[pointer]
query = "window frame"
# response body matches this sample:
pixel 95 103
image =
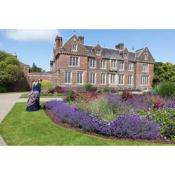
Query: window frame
pixel 74 49
pixel 143 70
pixel 115 63
pixel 71 61
pixel 102 64
pixel 65 77
pixel 102 79
pixel 132 66
pixel 122 79
pixel 144 78
pixel 90 73
pixel 132 79
pixel 94 60
pixel 82 74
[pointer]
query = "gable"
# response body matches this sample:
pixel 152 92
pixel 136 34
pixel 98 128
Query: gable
pixel 81 50
pixel 144 55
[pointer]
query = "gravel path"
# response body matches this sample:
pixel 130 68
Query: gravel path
pixel 8 100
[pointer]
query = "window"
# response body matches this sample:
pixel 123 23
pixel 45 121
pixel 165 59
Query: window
pixel 130 80
pixel 103 78
pixel 130 66
pixel 92 63
pixel 74 47
pixel 121 65
pixel 145 67
pixel 144 79
pixel 103 64
pixel 74 61
pixel 92 78
pixel 112 78
pixel 145 56
pixel 80 77
pixel 67 77
pixel 113 64
pixel 121 79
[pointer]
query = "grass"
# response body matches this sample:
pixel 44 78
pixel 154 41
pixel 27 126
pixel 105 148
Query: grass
pixel 35 128
pixel 26 94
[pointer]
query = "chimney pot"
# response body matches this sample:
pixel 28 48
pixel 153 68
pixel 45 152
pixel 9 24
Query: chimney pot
pixel 58 42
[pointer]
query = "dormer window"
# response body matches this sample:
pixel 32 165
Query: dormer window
pixel 74 47
pixel 98 52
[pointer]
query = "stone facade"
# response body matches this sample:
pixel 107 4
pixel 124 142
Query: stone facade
pixel 75 63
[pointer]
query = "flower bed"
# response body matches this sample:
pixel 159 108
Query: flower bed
pixel 124 126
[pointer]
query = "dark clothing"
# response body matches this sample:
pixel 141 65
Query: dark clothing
pixel 33 103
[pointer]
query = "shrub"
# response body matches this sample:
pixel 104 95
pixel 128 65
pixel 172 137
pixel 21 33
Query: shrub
pixel 3 89
pixel 126 95
pixel 46 85
pixel 128 126
pixel 165 118
pixel 165 89
pixel 57 89
pixel 88 87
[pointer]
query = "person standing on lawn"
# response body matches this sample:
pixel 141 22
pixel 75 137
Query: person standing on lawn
pixel 33 103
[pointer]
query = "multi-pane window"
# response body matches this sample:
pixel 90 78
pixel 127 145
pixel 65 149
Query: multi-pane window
pixel 103 78
pixel 112 78
pixel 98 52
pixel 113 64
pixel 130 79
pixel 121 65
pixel 121 79
pixel 92 78
pixel 103 64
pixel 144 79
pixel 67 78
pixel 74 47
pixel 92 63
pixel 145 67
pixel 80 77
pixel 74 61
pixel 130 66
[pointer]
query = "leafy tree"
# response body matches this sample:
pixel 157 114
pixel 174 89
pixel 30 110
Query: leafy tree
pixel 164 72
pixel 10 71
pixel 35 68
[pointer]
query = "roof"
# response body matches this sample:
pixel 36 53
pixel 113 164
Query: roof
pixel 109 53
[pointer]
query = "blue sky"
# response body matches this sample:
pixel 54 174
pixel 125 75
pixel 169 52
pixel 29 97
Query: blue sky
pixel 37 45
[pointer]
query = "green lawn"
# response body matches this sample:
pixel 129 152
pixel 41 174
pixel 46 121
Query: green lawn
pixel 35 128
pixel 26 94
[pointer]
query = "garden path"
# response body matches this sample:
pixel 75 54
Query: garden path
pixel 8 100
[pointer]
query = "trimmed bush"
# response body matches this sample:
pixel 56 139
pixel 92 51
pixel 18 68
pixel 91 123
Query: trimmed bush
pixel 165 89
pixel 46 85
pixel 88 87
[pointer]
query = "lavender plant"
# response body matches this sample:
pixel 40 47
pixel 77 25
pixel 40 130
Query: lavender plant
pixel 125 126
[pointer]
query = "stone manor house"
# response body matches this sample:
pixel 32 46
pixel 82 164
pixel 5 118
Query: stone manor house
pixel 75 63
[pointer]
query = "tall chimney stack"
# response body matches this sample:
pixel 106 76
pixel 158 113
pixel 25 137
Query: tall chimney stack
pixel 58 42
pixel 120 46
pixel 81 39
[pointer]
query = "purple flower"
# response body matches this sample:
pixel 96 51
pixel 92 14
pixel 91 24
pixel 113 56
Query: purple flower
pixel 125 126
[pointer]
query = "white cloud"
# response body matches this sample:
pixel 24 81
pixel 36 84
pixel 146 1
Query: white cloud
pixel 32 35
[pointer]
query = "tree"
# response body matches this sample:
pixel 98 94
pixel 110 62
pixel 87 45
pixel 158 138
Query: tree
pixel 10 71
pixel 164 72
pixel 34 68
